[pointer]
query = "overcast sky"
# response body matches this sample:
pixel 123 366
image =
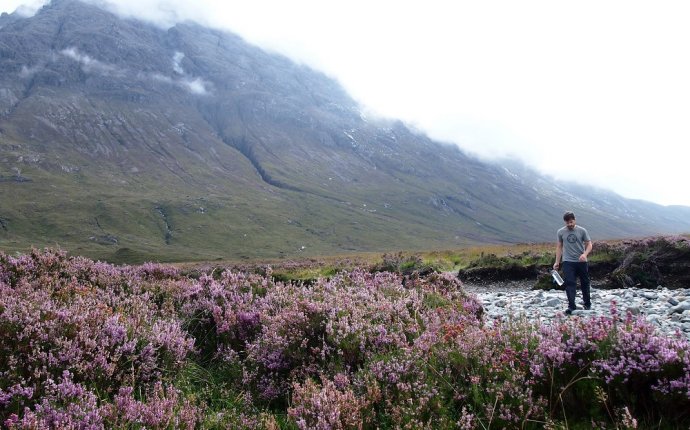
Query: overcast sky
pixel 592 91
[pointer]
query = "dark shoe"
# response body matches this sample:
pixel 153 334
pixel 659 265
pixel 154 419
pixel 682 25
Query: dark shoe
pixel 568 311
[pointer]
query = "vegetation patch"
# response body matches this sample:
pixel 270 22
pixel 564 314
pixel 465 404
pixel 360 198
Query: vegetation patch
pixel 653 261
pixel 85 344
pixel 644 263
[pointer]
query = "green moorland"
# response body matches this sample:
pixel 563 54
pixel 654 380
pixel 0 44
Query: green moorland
pixel 127 221
pixel 482 263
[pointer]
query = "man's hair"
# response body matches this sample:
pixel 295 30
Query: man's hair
pixel 568 216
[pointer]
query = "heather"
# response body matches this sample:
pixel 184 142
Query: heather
pixel 86 344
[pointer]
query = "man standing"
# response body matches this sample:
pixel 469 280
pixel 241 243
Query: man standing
pixel 573 247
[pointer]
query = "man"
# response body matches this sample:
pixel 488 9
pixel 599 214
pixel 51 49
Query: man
pixel 573 247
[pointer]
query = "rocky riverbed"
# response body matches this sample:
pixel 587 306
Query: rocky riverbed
pixel 669 310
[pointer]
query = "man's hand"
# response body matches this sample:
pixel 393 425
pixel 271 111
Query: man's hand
pixel 588 249
pixel 556 265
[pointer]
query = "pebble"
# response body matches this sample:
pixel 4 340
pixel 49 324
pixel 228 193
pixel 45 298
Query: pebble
pixel 668 310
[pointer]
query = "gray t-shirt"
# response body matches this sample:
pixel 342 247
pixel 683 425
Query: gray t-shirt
pixel 573 242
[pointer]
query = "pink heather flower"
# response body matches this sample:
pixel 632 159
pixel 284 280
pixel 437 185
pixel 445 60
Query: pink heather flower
pixel 17 390
pixel 325 407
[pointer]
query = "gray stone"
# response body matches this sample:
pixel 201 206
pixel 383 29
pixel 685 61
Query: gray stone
pixel 544 306
pixel 682 307
pixel 634 310
pixel 552 303
pixel 673 301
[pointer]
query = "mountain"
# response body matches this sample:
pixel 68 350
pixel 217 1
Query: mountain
pixel 127 142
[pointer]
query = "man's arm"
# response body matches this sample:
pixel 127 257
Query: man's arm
pixel 588 249
pixel 559 252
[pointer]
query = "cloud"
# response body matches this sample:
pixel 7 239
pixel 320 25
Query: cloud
pixel 27 72
pixel 605 82
pixel 157 77
pixel 25 8
pixel 193 85
pixel 177 59
pixel 91 65
pixel 197 86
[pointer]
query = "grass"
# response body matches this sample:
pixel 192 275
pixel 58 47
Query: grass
pixel 450 260
pixel 126 226
pixel 308 269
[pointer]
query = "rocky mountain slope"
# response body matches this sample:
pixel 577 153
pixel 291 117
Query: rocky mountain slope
pixel 124 141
